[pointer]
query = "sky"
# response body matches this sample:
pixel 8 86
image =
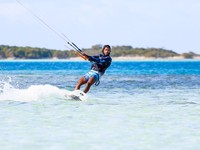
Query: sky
pixel 169 24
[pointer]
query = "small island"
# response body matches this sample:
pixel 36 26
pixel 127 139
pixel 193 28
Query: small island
pixel 118 52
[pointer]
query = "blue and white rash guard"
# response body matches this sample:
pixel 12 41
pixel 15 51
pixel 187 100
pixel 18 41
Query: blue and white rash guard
pixel 100 62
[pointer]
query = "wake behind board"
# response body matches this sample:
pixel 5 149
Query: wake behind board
pixel 77 95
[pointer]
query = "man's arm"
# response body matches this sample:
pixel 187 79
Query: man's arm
pixel 92 58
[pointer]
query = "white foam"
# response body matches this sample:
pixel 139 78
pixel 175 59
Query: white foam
pixel 32 93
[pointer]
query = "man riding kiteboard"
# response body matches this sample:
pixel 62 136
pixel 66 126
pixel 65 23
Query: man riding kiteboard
pixel 99 65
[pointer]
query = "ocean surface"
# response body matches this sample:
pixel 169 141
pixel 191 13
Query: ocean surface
pixel 139 105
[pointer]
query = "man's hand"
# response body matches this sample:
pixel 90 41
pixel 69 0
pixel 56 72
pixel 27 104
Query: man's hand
pixel 85 55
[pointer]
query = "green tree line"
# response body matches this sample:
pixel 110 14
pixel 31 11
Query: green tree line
pixel 117 51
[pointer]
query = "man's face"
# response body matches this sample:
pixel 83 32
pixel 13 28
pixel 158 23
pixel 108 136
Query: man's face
pixel 106 51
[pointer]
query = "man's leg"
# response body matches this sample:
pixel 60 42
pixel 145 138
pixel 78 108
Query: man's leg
pixel 90 82
pixel 80 82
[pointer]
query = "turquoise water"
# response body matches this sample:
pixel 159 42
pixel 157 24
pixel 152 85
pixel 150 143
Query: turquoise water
pixel 139 105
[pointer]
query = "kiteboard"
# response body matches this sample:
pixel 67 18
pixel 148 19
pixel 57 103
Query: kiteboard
pixel 77 95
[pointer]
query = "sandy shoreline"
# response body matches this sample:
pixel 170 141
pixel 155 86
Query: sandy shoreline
pixel 127 58
pixel 122 58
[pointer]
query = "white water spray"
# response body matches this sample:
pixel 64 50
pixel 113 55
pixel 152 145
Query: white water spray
pixel 32 93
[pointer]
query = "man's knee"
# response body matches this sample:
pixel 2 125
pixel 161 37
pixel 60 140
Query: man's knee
pixel 89 83
pixel 82 80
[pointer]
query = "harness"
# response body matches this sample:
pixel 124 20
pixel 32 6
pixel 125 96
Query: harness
pixel 97 83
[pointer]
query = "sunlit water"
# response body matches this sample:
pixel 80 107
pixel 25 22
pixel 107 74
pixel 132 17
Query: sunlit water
pixel 144 105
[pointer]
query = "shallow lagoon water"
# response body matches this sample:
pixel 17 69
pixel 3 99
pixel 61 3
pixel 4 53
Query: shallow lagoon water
pixel 144 105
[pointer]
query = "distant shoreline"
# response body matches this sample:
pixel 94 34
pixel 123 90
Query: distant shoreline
pixel 153 58
pixel 121 58
pixel 131 58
